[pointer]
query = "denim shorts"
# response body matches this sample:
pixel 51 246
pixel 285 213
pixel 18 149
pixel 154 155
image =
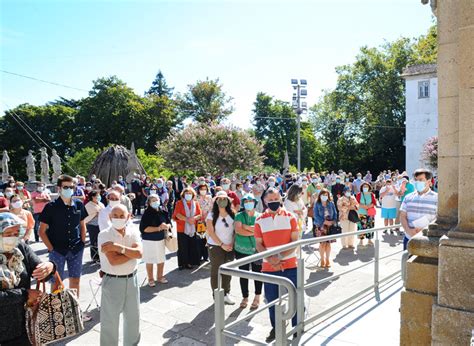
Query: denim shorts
pixel 74 263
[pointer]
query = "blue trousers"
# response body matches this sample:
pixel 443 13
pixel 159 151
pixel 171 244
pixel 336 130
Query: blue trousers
pixel 271 292
pixel 405 242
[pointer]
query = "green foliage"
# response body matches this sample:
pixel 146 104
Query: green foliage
pixel 276 127
pixel 425 49
pixel 205 102
pixel 154 165
pixel 81 161
pixel 213 149
pixel 159 87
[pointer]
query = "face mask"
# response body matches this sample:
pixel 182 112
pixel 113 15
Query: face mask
pixel 249 205
pixel 271 183
pixel 119 223
pixel 114 203
pixel 40 189
pixel 420 186
pixel 160 185
pixel 305 182
pixel 274 206
pixel 148 182
pixel 7 244
pixel 338 181
pixel 153 192
pixel 324 198
pixel 225 187
pixel 155 205
pixel 88 188
pixel 365 189
pixel 203 192
pixel 347 180
pixel 222 203
pixel 8 194
pixel 359 177
pixel 93 177
pixel 67 193
pixel 99 198
pixel 188 197
pixel 17 204
pixel 347 194
pixel 20 188
pixel 315 181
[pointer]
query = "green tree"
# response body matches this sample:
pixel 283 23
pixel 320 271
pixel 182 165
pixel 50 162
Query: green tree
pixel 81 162
pixel 425 49
pixel 216 149
pixel 154 165
pixel 54 124
pixel 205 102
pixel 159 87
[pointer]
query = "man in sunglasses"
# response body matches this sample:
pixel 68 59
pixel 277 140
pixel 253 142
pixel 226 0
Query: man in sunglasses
pixel 63 231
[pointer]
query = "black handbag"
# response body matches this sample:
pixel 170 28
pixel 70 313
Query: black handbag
pixel 334 229
pixel 353 216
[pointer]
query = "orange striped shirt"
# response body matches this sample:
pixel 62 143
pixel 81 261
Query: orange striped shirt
pixel 275 230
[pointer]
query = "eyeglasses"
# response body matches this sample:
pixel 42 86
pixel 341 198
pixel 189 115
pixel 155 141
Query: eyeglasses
pixel 225 222
pixel 68 187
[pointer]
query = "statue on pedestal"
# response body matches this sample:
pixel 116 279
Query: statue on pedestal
pixel 30 166
pixel 56 161
pixel 5 160
pixel 44 166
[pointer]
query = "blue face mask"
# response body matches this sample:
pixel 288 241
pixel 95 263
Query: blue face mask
pixel 67 193
pixel 99 198
pixel 155 205
pixel 249 205
pixel 338 181
pixel 160 185
pixel 420 186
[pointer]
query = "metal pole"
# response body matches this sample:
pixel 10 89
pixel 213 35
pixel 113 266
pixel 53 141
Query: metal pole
pixel 280 323
pixel 298 120
pixel 300 296
pixel 376 266
pixel 219 315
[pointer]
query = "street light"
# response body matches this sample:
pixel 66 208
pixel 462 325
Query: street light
pixel 299 107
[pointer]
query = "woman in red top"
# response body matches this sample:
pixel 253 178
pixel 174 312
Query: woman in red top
pixel 186 214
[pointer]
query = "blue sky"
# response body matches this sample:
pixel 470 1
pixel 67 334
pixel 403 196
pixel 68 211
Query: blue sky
pixel 251 46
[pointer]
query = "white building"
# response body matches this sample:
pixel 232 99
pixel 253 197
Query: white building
pixel 421 111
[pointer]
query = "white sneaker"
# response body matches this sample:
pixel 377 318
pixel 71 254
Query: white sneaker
pixel 228 301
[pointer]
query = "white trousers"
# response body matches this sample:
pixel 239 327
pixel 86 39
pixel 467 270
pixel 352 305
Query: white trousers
pixel 347 227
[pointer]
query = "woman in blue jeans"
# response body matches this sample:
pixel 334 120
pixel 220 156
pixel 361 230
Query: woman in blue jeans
pixel 325 215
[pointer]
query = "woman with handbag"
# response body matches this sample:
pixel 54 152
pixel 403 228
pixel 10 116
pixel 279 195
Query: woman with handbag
pixel 18 264
pixel 187 213
pixel 244 245
pixel 348 217
pixel 205 201
pixel 367 212
pixel 325 216
pixel 153 225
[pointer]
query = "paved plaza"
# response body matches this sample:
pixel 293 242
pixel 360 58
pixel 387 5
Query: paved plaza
pixel 182 312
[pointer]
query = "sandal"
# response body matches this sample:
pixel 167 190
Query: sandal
pixel 243 303
pixel 162 280
pixel 151 283
pixel 255 304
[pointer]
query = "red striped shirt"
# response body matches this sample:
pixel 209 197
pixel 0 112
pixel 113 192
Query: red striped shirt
pixel 275 230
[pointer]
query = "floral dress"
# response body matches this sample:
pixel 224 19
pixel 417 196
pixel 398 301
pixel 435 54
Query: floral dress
pixel 366 222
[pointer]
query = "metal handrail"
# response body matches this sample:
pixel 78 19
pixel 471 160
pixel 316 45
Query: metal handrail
pixel 232 269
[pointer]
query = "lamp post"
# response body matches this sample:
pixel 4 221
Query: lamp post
pixel 300 107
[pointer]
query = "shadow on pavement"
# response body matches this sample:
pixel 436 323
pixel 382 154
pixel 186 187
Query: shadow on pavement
pixel 315 276
pixel 345 256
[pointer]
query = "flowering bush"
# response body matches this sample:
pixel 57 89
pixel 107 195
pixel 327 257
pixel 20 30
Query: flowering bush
pixel 430 152
pixel 215 149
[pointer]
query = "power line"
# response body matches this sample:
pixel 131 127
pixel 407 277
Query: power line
pixel 43 81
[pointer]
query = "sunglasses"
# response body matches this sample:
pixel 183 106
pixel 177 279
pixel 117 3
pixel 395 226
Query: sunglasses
pixel 225 222
pixel 68 187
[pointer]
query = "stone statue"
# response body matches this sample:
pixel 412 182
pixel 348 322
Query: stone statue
pixel 5 160
pixel 30 166
pixel 44 166
pixel 56 161
pixel 132 165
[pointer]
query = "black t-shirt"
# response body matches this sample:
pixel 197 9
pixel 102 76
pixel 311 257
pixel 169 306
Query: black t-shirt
pixel 154 218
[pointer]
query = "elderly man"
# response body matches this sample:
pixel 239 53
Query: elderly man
pixel 123 198
pixel 257 190
pixel 120 249
pixel 275 227
pixel 113 199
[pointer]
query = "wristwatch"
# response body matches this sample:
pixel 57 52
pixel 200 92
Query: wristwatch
pixel 122 251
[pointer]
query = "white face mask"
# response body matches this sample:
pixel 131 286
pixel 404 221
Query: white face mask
pixel 348 194
pixel 40 189
pixel 7 244
pixel 119 223
pixel 203 192
pixel 17 204
pixel 324 198
pixel 188 196
pixel 114 203
pixel 8 194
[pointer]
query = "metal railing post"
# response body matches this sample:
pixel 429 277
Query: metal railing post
pixel 376 266
pixel 280 323
pixel 300 297
pixel 219 315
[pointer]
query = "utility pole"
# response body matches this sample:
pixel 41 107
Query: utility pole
pixel 299 107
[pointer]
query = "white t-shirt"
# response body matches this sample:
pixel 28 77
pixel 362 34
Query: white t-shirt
pixel 389 201
pixel 225 234
pixel 132 236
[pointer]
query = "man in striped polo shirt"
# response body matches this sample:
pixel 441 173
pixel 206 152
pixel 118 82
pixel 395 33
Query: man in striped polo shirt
pixel 275 227
pixel 419 208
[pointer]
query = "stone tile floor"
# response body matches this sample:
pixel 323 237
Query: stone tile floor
pixel 182 312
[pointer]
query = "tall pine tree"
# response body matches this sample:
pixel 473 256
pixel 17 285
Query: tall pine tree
pixel 159 86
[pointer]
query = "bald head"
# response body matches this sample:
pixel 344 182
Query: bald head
pixel 119 188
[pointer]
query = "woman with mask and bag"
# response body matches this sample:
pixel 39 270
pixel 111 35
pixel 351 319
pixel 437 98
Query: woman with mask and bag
pixel 348 217
pixel 186 214
pixel 220 239
pixel 325 217
pixel 18 264
pixel 244 245
pixel 205 202
pixel 367 212
pixel 153 225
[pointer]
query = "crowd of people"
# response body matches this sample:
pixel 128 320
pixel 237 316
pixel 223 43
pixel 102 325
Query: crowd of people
pixel 216 219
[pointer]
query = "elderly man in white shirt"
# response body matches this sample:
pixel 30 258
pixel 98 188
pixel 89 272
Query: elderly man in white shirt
pixel 113 199
pixel 120 249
